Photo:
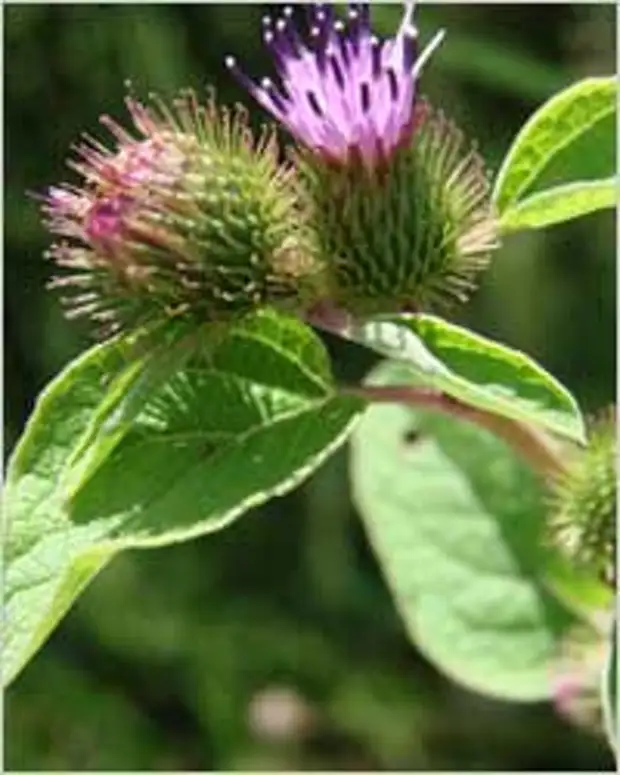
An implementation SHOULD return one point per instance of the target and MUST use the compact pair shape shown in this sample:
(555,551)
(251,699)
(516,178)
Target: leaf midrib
(251,500)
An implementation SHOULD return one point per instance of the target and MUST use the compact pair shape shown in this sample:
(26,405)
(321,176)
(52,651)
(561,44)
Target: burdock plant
(400,200)
(383,211)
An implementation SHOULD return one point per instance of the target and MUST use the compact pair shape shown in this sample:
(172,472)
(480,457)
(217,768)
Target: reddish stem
(528,442)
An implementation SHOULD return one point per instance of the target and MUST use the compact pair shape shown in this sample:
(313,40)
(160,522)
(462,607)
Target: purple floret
(343,92)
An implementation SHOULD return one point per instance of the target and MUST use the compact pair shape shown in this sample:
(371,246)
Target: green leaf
(36,535)
(561,204)
(569,140)
(474,370)
(455,520)
(120,407)
(66,413)
(186,450)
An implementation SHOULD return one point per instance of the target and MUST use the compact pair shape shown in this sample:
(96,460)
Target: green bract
(409,233)
(583,520)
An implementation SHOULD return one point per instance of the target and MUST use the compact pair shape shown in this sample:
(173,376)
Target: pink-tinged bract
(342,91)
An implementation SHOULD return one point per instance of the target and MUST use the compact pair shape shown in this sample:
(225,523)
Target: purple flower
(343,93)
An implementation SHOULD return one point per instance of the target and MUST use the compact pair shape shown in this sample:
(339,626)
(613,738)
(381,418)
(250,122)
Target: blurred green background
(275,645)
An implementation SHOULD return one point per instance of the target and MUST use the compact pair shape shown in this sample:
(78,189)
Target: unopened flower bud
(582,520)
(192,218)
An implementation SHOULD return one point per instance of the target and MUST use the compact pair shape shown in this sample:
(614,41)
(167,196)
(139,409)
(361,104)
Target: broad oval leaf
(474,370)
(455,520)
(569,141)
(239,421)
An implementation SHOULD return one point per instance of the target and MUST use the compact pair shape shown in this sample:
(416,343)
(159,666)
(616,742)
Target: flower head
(343,92)
(400,203)
(191,216)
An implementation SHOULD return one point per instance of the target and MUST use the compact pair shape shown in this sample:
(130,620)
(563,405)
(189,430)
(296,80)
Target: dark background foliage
(275,645)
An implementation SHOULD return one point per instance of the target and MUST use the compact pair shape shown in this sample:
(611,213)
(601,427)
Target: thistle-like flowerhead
(344,93)
(582,520)
(399,200)
(190,217)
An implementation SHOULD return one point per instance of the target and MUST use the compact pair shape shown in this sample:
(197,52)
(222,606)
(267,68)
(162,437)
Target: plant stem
(534,446)
(528,442)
